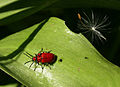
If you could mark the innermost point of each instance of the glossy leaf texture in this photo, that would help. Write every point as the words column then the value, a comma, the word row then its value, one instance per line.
column 82, row 65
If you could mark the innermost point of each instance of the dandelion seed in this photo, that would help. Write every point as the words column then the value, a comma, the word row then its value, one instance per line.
column 93, row 25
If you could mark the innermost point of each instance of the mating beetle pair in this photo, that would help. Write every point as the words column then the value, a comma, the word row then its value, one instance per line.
column 42, row 58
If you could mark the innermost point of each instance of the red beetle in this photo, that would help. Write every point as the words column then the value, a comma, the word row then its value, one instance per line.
column 42, row 58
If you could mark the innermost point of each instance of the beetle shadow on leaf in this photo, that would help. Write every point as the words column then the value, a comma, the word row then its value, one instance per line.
column 24, row 44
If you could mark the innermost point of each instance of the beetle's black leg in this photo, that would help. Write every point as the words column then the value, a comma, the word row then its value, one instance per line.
column 28, row 61
column 42, row 68
column 35, row 67
column 31, row 65
column 41, row 50
column 48, row 65
column 49, row 51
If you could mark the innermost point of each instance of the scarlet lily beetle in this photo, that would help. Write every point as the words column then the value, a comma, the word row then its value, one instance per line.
column 42, row 58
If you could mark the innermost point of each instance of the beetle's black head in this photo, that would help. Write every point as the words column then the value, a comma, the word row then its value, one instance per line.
column 55, row 59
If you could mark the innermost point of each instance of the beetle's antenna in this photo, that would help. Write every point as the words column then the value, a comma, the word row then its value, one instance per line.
column 29, row 54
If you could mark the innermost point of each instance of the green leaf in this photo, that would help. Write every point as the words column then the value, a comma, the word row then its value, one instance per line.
column 14, row 10
column 111, row 4
column 10, row 85
column 82, row 65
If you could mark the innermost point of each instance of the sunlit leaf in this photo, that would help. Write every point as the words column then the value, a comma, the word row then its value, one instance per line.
column 82, row 65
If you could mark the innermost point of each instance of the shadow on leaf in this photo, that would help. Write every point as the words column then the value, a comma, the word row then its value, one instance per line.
column 24, row 44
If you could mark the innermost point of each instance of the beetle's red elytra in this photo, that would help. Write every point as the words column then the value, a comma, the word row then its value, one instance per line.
column 42, row 58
